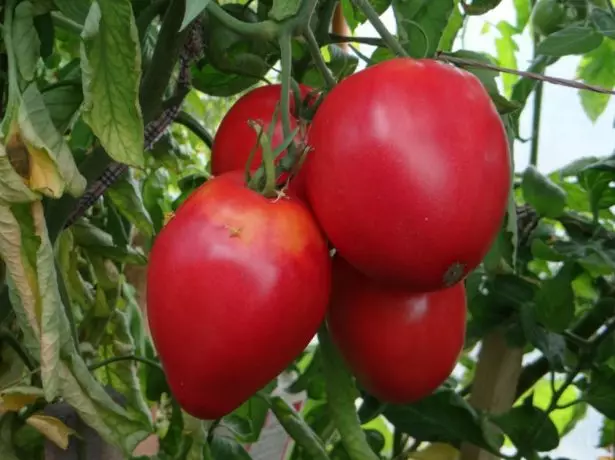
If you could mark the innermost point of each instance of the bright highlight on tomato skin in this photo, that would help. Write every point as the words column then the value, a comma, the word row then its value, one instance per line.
column 402, row 153
column 230, row 275
column 401, row 346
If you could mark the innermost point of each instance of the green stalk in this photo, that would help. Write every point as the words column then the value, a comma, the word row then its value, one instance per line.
column 340, row 397
column 373, row 17
column 116, row 359
column 7, row 337
column 318, row 60
column 286, row 60
column 188, row 121
column 265, row 30
column 62, row 21
column 537, row 107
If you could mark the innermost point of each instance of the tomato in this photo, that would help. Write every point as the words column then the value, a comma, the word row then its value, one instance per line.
column 548, row 16
column 237, row 286
column 410, row 173
column 400, row 345
column 235, row 139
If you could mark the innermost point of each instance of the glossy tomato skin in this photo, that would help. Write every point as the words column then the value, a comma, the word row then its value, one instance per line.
column 400, row 345
column 237, row 286
column 235, row 138
column 410, row 173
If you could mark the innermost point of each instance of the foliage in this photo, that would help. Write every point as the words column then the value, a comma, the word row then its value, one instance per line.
column 81, row 80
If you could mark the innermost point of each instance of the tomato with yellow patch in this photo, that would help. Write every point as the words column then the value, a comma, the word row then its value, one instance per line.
column 238, row 285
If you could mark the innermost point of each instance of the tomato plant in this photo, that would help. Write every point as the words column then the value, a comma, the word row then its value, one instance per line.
column 386, row 166
column 401, row 345
column 222, row 275
column 548, row 16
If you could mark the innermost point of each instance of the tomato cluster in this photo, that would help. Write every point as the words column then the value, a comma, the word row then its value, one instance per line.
column 407, row 177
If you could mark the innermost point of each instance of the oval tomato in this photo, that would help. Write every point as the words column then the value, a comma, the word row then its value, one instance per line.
column 237, row 286
column 548, row 16
column 235, row 138
column 400, row 345
column 410, row 172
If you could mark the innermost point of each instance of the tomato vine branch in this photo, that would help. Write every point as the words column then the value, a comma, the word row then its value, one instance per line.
column 340, row 396
column 116, row 359
column 318, row 59
column 7, row 337
column 188, row 121
column 373, row 17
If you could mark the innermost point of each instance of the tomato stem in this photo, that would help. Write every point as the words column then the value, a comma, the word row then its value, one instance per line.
column 318, row 60
column 286, row 61
column 374, row 19
column 341, row 398
column 265, row 30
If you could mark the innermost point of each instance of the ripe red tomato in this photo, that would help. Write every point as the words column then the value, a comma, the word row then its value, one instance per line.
column 237, row 286
column 410, row 173
column 235, row 139
column 400, row 345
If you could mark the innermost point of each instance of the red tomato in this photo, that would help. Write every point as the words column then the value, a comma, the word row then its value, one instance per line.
column 410, row 172
column 237, row 286
column 235, row 139
column 400, row 345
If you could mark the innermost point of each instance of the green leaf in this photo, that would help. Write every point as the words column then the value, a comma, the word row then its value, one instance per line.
column 529, row 428
column 25, row 41
column 420, row 24
column 454, row 25
column 597, row 68
column 77, row 10
column 607, row 433
column 111, row 66
column 545, row 196
column 524, row 10
column 193, row 9
column 604, row 22
column 63, row 102
column 506, row 48
column 247, row 421
column 555, row 300
column 597, row 181
column 442, row 416
column 478, row 7
column 357, row 16
column 574, row 39
column 341, row 64
column 601, row 391
column 228, row 448
column 552, row 345
column 126, row 197
column 100, row 242
column 43, row 23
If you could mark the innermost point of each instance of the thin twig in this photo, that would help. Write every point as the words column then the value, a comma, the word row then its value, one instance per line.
column 535, row 76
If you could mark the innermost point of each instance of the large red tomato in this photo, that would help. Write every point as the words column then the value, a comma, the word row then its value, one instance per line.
column 410, row 172
column 237, row 286
column 400, row 345
column 235, row 138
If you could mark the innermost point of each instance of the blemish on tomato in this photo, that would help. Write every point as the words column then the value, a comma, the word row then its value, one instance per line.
column 454, row 274
column 234, row 232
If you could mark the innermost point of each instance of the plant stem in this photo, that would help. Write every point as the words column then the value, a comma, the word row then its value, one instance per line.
column 168, row 47
column 318, row 60
column 535, row 137
column 340, row 398
column 62, row 21
column 374, row 19
column 9, row 338
column 372, row 41
column 265, row 30
column 296, row 427
column 188, row 121
column 286, row 60
column 116, row 359
column 147, row 16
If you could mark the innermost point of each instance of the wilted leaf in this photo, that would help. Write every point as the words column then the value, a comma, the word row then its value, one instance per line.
column 597, row 68
column 26, row 44
column 111, row 66
column 16, row 398
column 574, row 39
column 420, row 24
column 52, row 428
column 12, row 186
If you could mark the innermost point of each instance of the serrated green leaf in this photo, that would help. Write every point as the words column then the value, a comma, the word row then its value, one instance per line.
column 548, row 198
column 420, row 24
column 455, row 22
column 193, row 9
column 26, row 44
column 574, row 39
column 552, row 345
column 111, row 67
column 597, row 68
column 524, row 10
column 604, row 22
